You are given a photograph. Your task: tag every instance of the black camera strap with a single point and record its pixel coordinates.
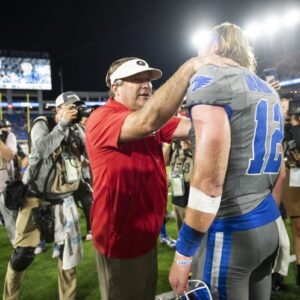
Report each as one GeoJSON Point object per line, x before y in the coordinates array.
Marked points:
{"type": "Point", "coordinates": [49, 122]}
{"type": "Point", "coordinates": [31, 183]}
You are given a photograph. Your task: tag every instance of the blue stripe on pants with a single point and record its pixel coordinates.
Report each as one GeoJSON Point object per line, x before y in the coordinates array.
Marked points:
{"type": "Point", "coordinates": [224, 265]}
{"type": "Point", "coordinates": [209, 258]}
{"type": "Point", "coordinates": [219, 242]}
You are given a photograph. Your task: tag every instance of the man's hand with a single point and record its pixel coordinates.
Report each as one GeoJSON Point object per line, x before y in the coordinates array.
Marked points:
{"type": "Point", "coordinates": [275, 84]}
{"type": "Point", "coordinates": [178, 277]}
{"type": "Point", "coordinates": [212, 59]}
{"type": "Point", "coordinates": [69, 113]}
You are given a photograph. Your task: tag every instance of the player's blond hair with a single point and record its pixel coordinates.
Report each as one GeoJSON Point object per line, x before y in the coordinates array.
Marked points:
{"type": "Point", "coordinates": [234, 44]}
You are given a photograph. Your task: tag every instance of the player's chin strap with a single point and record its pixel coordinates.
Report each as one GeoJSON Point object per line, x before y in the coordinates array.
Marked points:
{"type": "Point", "coordinates": [199, 295]}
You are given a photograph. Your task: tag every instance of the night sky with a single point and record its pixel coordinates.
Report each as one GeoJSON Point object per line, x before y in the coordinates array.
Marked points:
{"type": "Point", "coordinates": [84, 37]}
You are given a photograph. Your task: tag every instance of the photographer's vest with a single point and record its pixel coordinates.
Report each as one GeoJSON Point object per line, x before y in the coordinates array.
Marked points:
{"type": "Point", "coordinates": [65, 171]}
{"type": "Point", "coordinates": [182, 162]}
{"type": "Point", "coordinates": [181, 172]}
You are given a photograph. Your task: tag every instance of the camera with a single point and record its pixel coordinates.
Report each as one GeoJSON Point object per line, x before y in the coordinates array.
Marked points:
{"type": "Point", "coordinates": [43, 217]}
{"type": "Point", "coordinates": [4, 133]}
{"type": "Point", "coordinates": [177, 144]}
{"type": "Point", "coordinates": [82, 111]}
{"type": "Point", "coordinates": [4, 124]}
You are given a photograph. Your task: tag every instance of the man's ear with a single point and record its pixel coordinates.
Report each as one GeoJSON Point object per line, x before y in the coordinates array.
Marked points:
{"type": "Point", "coordinates": [114, 88]}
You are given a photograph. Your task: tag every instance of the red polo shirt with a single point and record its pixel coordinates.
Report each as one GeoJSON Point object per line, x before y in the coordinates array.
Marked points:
{"type": "Point", "coordinates": [129, 182]}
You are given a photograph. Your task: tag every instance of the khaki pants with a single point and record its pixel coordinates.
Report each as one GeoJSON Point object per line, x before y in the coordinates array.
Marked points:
{"type": "Point", "coordinates": [66, 282]}
{"type": "Point", "coordinates": [28, 235]}
{"type": "Point", "coordinates": [127, 279]}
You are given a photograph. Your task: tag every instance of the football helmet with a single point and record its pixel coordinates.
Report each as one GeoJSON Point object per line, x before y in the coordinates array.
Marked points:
{"type": "Point", "coordinates": [199, 291]}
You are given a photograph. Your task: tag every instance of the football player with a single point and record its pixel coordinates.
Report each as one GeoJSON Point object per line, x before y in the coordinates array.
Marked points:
{"type": "Point", "coordinates": [237, 133]}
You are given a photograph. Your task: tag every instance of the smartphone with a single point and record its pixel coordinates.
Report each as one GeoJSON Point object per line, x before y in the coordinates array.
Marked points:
{"type": "Point", "coordinates": [270, 74]}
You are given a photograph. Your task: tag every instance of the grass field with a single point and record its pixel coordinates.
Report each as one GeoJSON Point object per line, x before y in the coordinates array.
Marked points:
{"type": "Point", "coordinates": [40, 282]}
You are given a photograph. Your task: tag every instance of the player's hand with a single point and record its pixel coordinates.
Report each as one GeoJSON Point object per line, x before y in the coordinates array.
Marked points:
{"type": "Point", "coordinates": [178, 277]}
{"type": "Point", "coordinates": [69, 113]}
{"type": "Point", "coordinates": [212, 59]}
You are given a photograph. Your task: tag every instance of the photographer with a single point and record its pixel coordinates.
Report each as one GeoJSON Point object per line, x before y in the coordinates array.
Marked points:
{"type": "Point", "coordinates": [83, 196]}
{"type": "Point", "coordinates": [53, 175]}
{"type": "Point", "coordinates": [8, 149]}
{"type": "Point", "coordinates": [181, 171]}
{"type": "Point", "coordinates": [291, 193]}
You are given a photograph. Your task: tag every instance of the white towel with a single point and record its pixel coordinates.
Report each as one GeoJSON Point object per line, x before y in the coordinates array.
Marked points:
{"type": "Point", "coordinates": [67, 232]}
{"type": "Point", "coordinates": [283, 255]}
{"type": "Point", "coordinates": [10, 217]}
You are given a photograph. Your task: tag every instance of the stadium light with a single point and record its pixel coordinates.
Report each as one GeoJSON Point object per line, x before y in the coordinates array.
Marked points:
{"type": "Point", "coordinates": [253, 31]}
{"type": "Point", "coordinates": [290, 82]}
{"type": "Point", "coordinates": [19, 104]}
{"type": "Point", "coordinates": [291, 18]}
{"type": "Point", "coordinates": [87, 103]}
{"type": "Point", "coordinates": [271, 25]}
{"type": "Point", "coordinates": [201, 38]}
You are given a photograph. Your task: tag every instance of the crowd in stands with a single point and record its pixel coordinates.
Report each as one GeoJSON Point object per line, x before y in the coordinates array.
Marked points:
{"type": "Point", "coordinates": [287, 67]}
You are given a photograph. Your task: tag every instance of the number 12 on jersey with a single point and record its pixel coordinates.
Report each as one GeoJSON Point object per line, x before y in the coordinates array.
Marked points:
{"type": "Point", "coordinates": [265, 158]}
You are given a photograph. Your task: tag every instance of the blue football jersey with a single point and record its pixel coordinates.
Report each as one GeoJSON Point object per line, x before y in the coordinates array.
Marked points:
{"type": "Point", "coordinates": [256, 124]}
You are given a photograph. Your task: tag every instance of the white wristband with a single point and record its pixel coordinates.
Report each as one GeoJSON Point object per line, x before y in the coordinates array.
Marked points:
{"type": "Point", "coordinates": [201, 202]}
{"type": "Point", "coordinates": [183, 262]}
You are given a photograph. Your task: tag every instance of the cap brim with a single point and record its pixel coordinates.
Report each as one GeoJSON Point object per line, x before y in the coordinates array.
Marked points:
{"type": "Point", "coordinates": [133, 67]}
{"type": "Point", "coordinates": [69, 102]}
{"type": "Point", "coordinates": [154, 73]}
{"type": "Point", "coordinates": [75, 101]}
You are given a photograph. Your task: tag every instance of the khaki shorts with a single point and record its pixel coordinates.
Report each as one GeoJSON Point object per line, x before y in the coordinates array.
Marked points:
{"type": "Point", "coordinates": [27, 234]}
{"type": "Point", "coordinates": [291, 198]}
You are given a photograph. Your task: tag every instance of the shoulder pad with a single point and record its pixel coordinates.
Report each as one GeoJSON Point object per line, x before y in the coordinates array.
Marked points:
{"type": "Point", "coordinates": [209, 86]}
